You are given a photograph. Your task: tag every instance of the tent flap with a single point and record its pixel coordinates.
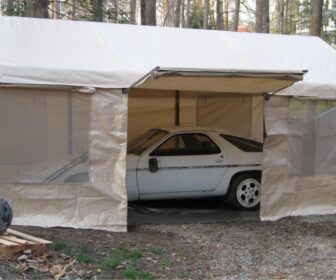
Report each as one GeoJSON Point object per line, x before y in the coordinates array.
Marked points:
{"type": "Point", "coordinates": [223, 81]}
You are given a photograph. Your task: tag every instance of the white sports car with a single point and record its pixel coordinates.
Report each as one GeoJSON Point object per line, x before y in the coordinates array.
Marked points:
{"type": "Point", "coordinates": [178, 163]}
{"type": "Point", "coordinates": [192, 163]}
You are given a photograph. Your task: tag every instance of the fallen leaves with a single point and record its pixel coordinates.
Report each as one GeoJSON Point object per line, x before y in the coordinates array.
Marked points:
{"type": "Point", "coordinates": [48, 264]}
{"type": "Point", "coordinates": [64, 269]}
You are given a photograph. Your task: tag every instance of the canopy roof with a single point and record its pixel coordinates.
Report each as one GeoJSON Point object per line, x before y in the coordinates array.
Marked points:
{"type": "Point", "coordinates": [54, 52]}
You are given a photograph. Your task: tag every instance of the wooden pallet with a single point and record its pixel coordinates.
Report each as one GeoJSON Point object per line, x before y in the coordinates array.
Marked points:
{"type": "Point", "coordinates": [13, 242]}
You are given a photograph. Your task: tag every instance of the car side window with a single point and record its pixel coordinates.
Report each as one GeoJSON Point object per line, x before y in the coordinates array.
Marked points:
{"type": "Point", "coordinates": [243, 144]}
{"type": "Point", "coordinates": [187, 144]}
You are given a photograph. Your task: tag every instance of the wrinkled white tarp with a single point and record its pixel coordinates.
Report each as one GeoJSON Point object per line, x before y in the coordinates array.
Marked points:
{"type": "Point", "coordinates": [39, 51]}
{"type": "Point", "coordinates": [98, 204]}
{"type": "Point", "coordinates": [302, 189]}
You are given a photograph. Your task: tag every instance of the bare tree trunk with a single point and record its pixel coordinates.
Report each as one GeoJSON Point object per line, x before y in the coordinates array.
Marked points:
{"type": "Point", "coordinates": [265, 17]}
{"type": "Point", "coordinates": [177, 14]}
{"type": "Point", "coordinates": [58, 10]}
{"type": "Point", "coordinates": [259, 13]}
{"type": "Point", "coordinates": [55, 9]}
{"type": "Point", "coordinates": [286, 18]}
{"type": "Point", "coordinates": [236, 16]}
{"type": "Point", "coordinates": [187, 14]}
{"type": "Point", "coordinates": [316, 23]}
{"type": "Point", "coordinates": [74, 8]}
{"type": "Point", "coordinates": [113, 17]}
{"type": "Point", "coordinates": [132, 11]}
{"type": "Point", "coordinates": [168, 10]}
{"type": "Point", "coordinates": [281, 13]}
{"type": "Point", "coordinates": [333, 6]}
{"type": "Point", "coordinates": [226, 14]}
{"type": "Point", "coordinates": [183, 8]}
{"type": "Point", "coordinates": [143, 11]}
{"type": "Point", "coordinates": [151, 12]}
{"type": "Point", "coordinates": [262, 16]}
{"type": "Point", "coordinates": [37, 8]}
{"type": "Point", "coordinates": [206, 14]}
{"type": "Point", "coordinates": [97, 10]}
{"type": "Point", "coordinates": [219, 16]}
{"type": "Point", "coordinates": [7, 8]}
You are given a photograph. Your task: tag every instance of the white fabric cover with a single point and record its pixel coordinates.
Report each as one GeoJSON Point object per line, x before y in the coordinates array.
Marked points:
{"type": "Point", "coordinates": [304, 193]}
{"type": "Point", "coordinates": [100, 204]}
{"type": "Point", "coordinates": [51, 52]}
{"type": "Point", "coordinates": [39, 51]}
{"type": "Point", "coordinates": [44, 135]}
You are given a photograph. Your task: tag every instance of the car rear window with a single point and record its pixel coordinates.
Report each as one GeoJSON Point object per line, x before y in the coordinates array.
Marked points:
{"type": "Point", "coordinates": [243, 144]}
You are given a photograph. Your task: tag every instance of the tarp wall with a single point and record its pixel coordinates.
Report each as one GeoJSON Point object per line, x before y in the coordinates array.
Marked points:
{"type": "Point", "coordinates": [35, 132]}
{"type": "Point", "coordinates": [299, 162]}
{"type": "Point", "coordinates": [42, 131]}
{"type": "Point", "coordinates": [239, 114]}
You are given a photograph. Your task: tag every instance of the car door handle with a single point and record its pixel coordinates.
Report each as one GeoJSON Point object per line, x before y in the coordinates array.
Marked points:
{"type": "Point", "coordinates": [221, 159]}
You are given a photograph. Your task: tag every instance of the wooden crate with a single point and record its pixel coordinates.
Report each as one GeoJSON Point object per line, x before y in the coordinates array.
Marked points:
{"type": "Point", "coordinates": [13, 242]}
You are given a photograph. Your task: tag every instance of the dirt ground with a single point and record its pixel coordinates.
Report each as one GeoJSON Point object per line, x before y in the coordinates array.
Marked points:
{"type": "Point", "coordinates": [292, 248]}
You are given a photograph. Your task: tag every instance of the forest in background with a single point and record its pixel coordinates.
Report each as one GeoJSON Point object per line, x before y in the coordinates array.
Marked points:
{"type": "Point", "coordinates": [304, 17]}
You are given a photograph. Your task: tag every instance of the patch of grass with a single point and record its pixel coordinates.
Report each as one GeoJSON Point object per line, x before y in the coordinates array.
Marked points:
{"type": "Point", "coordinates": [69, 268]}
{"type": "Point", "coordinates": [130, 274]}
{"type": "Point", "coordinates": [155, 250]}
{"type": "Point", "coordinates": [124, 245]}
{"type": "Point", "coordinates": [182, 274]}
{"type": "Point", "coordinates": [133, 254]}
{"type": "Point", "coordinates": [116, 253]}
{"type": "Point", "coordinates": [111, 263]}
{"type": "Point", "coordinates": [164, 263]}
{"type": "Point", "coordinates": [15, 270]}
{"type": "Point", "coordinates": [59, 246]}
{"type": "Point", "coordinates": [145, 275]}
{"type": "Point", "coordinates": [133, 274]}
{"type": "Point", "coordinates": [36, 275]}
{"type": "Point", "coordinates": [83, 255]}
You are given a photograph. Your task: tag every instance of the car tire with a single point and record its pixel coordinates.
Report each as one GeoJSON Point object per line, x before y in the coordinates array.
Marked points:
{"type": "Point", "coordinates": [6, 215]}
{"type": "Point", "coordinates": [244, 191]}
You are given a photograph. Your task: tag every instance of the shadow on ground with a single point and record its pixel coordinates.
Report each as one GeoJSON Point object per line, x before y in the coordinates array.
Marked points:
{"type": "Point", "coordinates": [172, 212]}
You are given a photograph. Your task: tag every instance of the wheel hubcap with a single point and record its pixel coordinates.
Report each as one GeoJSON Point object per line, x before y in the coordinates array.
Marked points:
{"type": "Point", "coordinates": [248, 193]}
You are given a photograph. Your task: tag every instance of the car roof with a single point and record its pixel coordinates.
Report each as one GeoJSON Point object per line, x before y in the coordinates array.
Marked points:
{"type": "Point", "coordinates": [178, 129]}
{"type": "Point", "coordinates": [188, 129]}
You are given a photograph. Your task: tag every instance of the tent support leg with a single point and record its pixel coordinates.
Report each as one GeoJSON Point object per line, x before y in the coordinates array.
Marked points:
{"type": "Point", "coordinates": [70, 123]}
{"type": "Point", "coordinates": [177, 108]}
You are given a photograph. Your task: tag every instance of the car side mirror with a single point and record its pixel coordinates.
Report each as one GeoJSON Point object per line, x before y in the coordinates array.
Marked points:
{"type": "Point", "coordinates": [153, 165]}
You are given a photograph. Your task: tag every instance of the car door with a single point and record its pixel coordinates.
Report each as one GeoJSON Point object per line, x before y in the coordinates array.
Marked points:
{"type": "Point", "coordinates": [187, 163]}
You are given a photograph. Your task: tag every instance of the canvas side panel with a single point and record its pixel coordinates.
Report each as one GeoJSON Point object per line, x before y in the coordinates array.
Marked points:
{"type": "Point", "coordinates": [299, 158]}
{"type": "Point", "coordinates": [46, 137]}
{"type": "Point", "coordinates": [228, 112]}
{"type": "Point", "coordinates": [108, 146]}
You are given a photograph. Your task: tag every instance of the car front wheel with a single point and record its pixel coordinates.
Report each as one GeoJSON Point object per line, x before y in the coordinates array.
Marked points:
{"type": "Point", "coordinates": [244, 191]}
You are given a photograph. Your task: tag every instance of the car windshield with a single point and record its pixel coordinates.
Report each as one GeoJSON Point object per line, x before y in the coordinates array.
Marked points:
{"type": "Point", "coordinates": [144, 141]}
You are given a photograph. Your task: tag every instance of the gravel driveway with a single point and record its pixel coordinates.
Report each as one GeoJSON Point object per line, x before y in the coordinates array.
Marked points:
{"type": "Point", "coordinates": [292, 248]}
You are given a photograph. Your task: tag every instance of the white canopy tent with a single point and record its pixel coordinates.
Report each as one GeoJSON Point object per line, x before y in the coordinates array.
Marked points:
{"type": "Point", "coordinates": [63, 80]}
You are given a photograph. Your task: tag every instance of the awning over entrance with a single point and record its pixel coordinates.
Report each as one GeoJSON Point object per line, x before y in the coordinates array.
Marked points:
{"type": "Point", "coordinates": [219, 80]}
